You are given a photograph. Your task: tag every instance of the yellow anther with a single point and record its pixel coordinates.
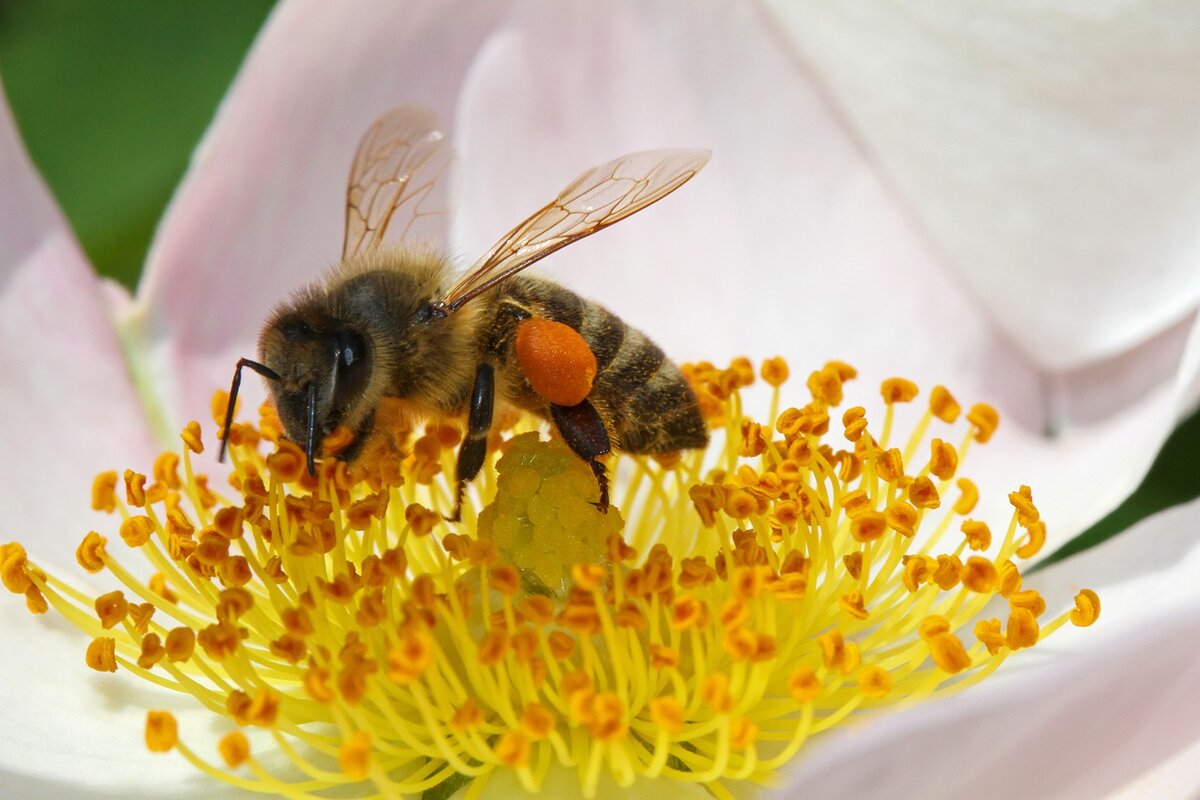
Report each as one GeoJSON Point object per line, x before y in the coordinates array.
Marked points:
{"type": "Point", "coordinates": [166, 470]}
{"type": "Point", "coordinates": [852, 604]}
{"type": "Point", "coordinates": [135, 488]}
{"type": "Point", "coordinates": [91, 553]}
{"type": "Point", "coordinates": [102, 654]}
{"type": "Point", "coordinates": [943, 405]}
{"type": "Point", "coordinates": [984, 419]}
{"type": "Point", "coordinates": [740, 504]}
{"type": "Point", "coordinates": [874, 682]}
{"type": "Point", "coordinates": [918, 570]}
{"type": "Point", "coordinates": [1010, 579]}
{"type": "Point", "coordinates": [104, 492]}
{"type": "Point", "coordinates": [853, 563]}
{"type": "Point", "coordinates": [898, 390]}
{"type": "Point", "coordinates": [1036, 541]}
{"type": "Point", "coordinates": [537, 721]}
{"type": "Point", "coordinates": [714, 692]}
{"type": "Point", "coordinates": [588, 577]}
{"type": "Point", "coordinates": [1023, 629]}
{"type": "Point", "coordinates": [948, 653]}
{"type": "Point", "coordinates": [135, 531]}
{"type": "Point", "coordinates": [1087, 608]}
{"type": "Point", "coordinates": [162, 731]}
{"type": "Point", "coordinates": [1029, 599]}
{"type": "Point", "coordinates": [219, 641]}
{"type": "Point", "coordinates": [932, 626]}
{"type": "Point", "coordinates": [13, 564]}
{"type": "Point", "coordinates": [989, 633]}
{"type": "Point", "coordinates": [467, 716]}
{"type": "Point", "coordinates": [234, 749]}
{"type": "Point", "coordinates": [943, 460]}
{"type": "Point", "coordinates": [742, 734]}
{"type": "Point", "coordinates": [152, 651]}
{"type": "Point", "coordinates": [980, 575]}
{"type": "Point", "coordinates": [354, 756]}
{"type": "Point", "coordinates": [979, 535]}
{"type": "Point", "coordinates": [505, 579]}
{"type": "Point", "coordinates": [969, 496]}
{"type": "Point", "coordinates": [512, 749]}
{"type": "Point", "coordinates": [902, 518]}
{"type": "Point", "coordinates": [890, 465]}
{"type": "Point", "coordinates": [868, 527]}
{"type": "Point", "coordinates": [667, 713]}
{"type": "Point", "coordinates": [792, 421]}
{"type": "Point", "coordinates": [856, 503]}
{"type": "Point", "coordinates": [111, 609]}
{"type": "Point", "coordinates": [191, 437]}
{"type": "Point", "coordinates": [422, 520]}
{"type": "Point", "coordinates": [493, 647]}
{"type": "Point", "coordinates": [774, 371]}
{"type": "Point", "coordinates": [180, 644]}
{"type": "Point", "coordinates": [826, 386]}
{"type": "Point", "coordinates": [923, 494]}
{"type": "Point", "coordinates": [948, 572]}
{"type": "Point", "coordinates": [562, 645]}
{"type": "Point", "coordinates": [804, 684]}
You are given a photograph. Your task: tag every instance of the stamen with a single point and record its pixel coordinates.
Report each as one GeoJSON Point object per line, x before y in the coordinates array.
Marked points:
{"type": "Point", "coordinates": [731, 605]}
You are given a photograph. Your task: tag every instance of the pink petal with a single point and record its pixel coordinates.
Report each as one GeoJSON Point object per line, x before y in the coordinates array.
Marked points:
{"type": "Point", "coordinates": [68, 409]}
{"type": "Point", "coordinates": [1084, 713]}
{"type": "Point", "coordinates": [1054, 158]}
{"type": "Point", "coordinates": [260, 212]}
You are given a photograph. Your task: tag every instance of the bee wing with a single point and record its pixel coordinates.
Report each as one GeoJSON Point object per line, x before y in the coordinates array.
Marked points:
{"type": "Point", "coordinates": [397, 181]}
{"type": "Point", "coordinates": [596, 199]}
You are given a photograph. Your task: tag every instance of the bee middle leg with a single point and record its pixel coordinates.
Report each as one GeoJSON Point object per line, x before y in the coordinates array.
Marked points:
{"type": "Point", "coordinates": [479, 426]}
{"type": "Point", "coordinates": [583, 430]}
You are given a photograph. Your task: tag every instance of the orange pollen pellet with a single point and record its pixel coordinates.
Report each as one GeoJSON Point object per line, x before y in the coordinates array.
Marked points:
{"type": "Point", "coordinates": [948, 653]}
{"type": "Point", "coordinates": [162, 731]}
{"type": "Point", "coordinates": [354, 756]}
{"type": "Point", "coordinates": [1087, 608]}
{"type": "Point", "coordinates": [191, 437]}
{"type": "Point", "coordinates": [104, 492]}
{"type": "Point", "coordinates": [943, 405]}
{"type": "Point", "coordinates": [898, 390]}
{"type": "Point", "coordinates": [984, 419]}
{"type": "Point", "coordinates": [556, 360]}
{"type": "Point", "coordinates": [91, 552]}
{"type": "Point", "coordinates": [234, 749]}
{"type": "Point", "coordinates": [101, 654]}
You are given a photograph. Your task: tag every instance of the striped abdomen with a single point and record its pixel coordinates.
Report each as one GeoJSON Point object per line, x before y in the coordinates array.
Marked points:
{"type": "Point", "coordinates": [641, 395]}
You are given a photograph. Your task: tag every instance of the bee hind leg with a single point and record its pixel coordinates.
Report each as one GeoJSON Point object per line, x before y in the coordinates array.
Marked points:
{"type": "Point", "coordinates": [479, 425]}
{"type": "Point", "coordinates": [583, 430]}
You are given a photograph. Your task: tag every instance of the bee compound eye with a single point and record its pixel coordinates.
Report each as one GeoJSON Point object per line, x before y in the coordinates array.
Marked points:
{"type": "Point", "coordinates": [351, 349]}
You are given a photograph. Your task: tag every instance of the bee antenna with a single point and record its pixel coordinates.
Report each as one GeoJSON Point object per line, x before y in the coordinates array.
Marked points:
{"type": "Point", "coordinates": [312, 427]}
{"type": "Point", "coordinates": [261, 369]}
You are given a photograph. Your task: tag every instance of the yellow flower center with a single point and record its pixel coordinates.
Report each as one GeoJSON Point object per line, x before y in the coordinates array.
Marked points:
{"type": "Point", "coordinates": [731, 605]}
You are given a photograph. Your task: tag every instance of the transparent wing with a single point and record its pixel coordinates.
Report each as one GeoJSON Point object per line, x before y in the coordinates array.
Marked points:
{"type": "Point", "coordinates": [397, 182]}
{"type": "Point", "coordinates": [596, 199]}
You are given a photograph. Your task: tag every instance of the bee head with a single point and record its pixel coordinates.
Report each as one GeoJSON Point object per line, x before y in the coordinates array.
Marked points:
{"type": "Point", "coordinates": [321, 368]}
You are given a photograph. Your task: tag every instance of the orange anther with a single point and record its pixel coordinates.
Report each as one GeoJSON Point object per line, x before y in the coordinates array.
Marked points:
{"type": "Point", "coordinates": [943, 405]}
{"type": "Point", "coordinates": [1087, 608]}
{"type": "Point", "coordinates": [162, 731]}
{"type": "Point", "coordinates": [898, 390]}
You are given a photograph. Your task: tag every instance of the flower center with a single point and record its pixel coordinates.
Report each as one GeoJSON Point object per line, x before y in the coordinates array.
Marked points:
{"type": "Point", "coordinates": [731, 604]}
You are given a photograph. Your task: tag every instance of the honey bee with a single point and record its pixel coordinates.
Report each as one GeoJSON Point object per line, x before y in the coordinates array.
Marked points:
{"type": "Point", "coordinates": [391, 321]}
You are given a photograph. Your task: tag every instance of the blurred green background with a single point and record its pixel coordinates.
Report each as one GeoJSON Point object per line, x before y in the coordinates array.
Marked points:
{"type": "Point", "coordinates": [111, 97]}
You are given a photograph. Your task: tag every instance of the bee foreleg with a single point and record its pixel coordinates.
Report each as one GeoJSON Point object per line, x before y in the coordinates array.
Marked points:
{"type": "Point", "coordinates": [583, 430]}
{"type": "Point", "coordinates": [479, 425]}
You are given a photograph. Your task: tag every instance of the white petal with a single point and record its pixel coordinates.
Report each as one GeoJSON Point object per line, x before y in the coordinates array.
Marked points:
{"type": "Point", "coordinates": [73, 732]}
{"type": "Point", "coordinates": [260, 212]}
{"type": "Point", "coordinates": [68, 409]}
{"type": "Point", "coordinates": [787, 242]}
{"type": "Point", "coordinates": [1082, 714]}
{"type": "Point", "coordinates": [1052, 155]}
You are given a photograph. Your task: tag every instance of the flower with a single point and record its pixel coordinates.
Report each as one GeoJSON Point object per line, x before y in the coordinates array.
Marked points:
{"type": "Point", "coordinates": [757, 596]}
{"type": "Point", "coordinates": [819, 239]}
